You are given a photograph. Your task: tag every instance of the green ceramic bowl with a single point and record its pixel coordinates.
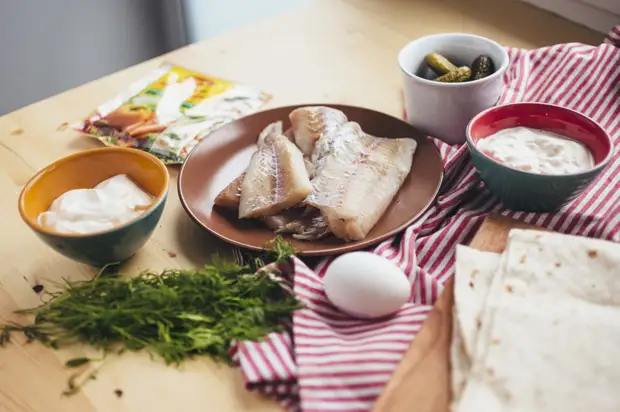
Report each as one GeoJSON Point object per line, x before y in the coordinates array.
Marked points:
{"type": "Point", "coordinates": [85, 170]}
{"type": "Point", "coordinates": [533, 192]}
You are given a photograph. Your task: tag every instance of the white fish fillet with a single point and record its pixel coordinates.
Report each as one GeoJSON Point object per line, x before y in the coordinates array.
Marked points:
{"type": "Point", "coordinates": [357, 177]}
{"type": "Point", "coordinates": [276, 178]}
{"type": "Point", "coordinates": [309, 123]}
{"type": "Point", "coordinates": [230, 195]}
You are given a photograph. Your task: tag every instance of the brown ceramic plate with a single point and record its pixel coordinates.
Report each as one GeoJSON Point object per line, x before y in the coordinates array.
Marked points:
{"type": "Point", "coordinates": [225, 154]}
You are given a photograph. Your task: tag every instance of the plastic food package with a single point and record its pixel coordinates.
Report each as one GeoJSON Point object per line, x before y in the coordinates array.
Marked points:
{"type": "Point", "coordinates": [168, 111]}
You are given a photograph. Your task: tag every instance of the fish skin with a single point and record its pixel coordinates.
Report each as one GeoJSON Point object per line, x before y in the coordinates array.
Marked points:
{"type": "Point", "coordinates": [357, 177]}
{"type": "Point", "coordinates": [311, 122]}
{"type": "Point", "coordinates": [230, 195]}
{"type": "Point", "coordinates": [275, 180]}
{"type": "Point", "coordinates": [304, 223]}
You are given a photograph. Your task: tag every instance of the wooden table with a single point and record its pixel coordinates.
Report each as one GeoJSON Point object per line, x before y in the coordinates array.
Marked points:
{"type": "Point", "coordinates": [339, 51]}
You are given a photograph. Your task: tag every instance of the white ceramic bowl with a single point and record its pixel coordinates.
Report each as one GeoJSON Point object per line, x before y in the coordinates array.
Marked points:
{"type": "Point", "coordinates": [443, 110]}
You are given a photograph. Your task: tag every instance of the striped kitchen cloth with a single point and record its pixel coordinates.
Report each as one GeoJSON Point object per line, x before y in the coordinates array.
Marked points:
{"type": "Point", "coordinates": [331, 362]}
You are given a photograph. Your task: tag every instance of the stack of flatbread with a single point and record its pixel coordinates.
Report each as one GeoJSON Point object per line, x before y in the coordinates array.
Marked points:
{"type": "Point", "coordinates": [537, 328]}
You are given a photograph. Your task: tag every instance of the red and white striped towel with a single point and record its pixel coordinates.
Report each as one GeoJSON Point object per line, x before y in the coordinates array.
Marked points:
{"type": "Point", "coordinates": [330, 362]}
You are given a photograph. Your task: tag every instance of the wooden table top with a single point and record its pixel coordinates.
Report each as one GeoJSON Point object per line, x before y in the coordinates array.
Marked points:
{"type": "Point", "coordinates": [333, 51]}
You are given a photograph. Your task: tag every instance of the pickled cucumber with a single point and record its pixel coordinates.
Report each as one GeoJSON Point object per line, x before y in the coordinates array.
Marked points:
{"type": "Point", "coordinates": [460, 74]}
{"type": "Point", "coordinates": [482, 67]}
{"type": "Point", "coordinates": [439, 64]}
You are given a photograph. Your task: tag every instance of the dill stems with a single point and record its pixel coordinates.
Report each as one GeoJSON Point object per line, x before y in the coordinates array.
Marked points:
{"type": "Point", "coordinates": [175, 314]}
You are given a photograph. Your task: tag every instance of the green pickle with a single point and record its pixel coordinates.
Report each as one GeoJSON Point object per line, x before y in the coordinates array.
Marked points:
{"type": "Point", "coordinates": [439, 64]}
{"type": "Point", "coordinates": [460, 74]}
{"type": "Point", "coordinates": [482, 67]}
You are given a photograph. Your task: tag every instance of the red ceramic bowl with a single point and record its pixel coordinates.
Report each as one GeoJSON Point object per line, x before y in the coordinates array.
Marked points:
{"type": "Point", "coordinates": [527, 191]}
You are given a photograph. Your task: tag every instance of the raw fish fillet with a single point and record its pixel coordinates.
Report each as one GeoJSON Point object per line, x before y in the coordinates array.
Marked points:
{"type": "Point", "coordinates": [276, 178]}
{"type": "Point", "coordinates": [309, 123]}
{"type": "Point", "coordinates": [229, 196]}
{"type": "Point", "coordinates": [357, 178]}
{"type": "Point", "coordinates": [304, 223]}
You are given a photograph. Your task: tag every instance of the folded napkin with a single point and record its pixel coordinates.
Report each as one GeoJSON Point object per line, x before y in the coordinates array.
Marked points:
{"type": "Point", "coordinates": [329, 361]}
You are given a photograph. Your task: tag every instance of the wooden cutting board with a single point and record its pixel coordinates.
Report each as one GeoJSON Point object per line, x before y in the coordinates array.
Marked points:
{"type": "Point", "coordinates": [421, 382]}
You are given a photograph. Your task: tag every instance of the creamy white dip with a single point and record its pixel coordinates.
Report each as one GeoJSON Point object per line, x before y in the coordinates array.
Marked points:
{"type": "Point", "coordinates": [111, 203]}
{"type": "Point", "coordinates": [537, 151]}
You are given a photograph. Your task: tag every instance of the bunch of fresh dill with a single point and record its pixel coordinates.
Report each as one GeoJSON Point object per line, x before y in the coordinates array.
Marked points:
{"type": "Point", "coordinates": [175, 314]}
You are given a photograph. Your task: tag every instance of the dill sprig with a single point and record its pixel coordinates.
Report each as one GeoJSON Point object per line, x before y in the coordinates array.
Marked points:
{"type": "Point", "coordinates": [175, 314]}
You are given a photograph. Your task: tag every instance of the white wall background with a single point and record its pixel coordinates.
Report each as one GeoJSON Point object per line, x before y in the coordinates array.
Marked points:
{"type": "Point", "coordinates": [48, 46]}
{"type": "Point", "coordinates": [207, 18]}
{"type": "Point", "coordinates": [598, 15]}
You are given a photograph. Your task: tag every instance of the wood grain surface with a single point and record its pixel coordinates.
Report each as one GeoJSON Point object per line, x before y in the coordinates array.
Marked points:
{"type": "Point", "coordinates": [421, 382]}
{"type": "Point", "coordinates": [332, 51]}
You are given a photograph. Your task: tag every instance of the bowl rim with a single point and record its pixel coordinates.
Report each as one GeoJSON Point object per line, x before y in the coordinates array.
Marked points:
{"type": "Point", "coordinates": [34, 225]}
{"type": "Point", "coordinates": [597, 166]}
{"type": "Point", "coordinates": [499, 72]}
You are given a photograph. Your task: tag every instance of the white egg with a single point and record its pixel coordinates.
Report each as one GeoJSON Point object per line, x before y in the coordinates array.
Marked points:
{"type": "Point", "coordinates": [366, 285]}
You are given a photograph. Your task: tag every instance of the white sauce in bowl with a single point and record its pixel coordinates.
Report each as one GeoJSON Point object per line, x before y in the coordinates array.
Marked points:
{"type": "Point", "coordinates": [111, 203]}
{"type": "Point", "coordinates": [537, 151]}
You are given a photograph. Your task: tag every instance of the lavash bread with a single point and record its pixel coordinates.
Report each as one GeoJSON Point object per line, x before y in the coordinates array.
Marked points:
{"type": "Point", "coordinates": [550, 333]}
{"type": "Point", "coordinates": [474, 272]}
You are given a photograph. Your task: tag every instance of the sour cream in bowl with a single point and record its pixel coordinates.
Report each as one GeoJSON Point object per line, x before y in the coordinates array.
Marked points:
{"type": "Point", "coordinates": [537, 157]}
{"type": "Point", "coordinates": [113, 202]}
{"type": "Point", "coordinates": [537, 151]}
{"type": "Point", "coordinates": [97, 206]}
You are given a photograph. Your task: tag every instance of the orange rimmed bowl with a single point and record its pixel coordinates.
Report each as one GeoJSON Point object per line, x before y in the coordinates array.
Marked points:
{"type": "Point", "coordinates": [84, 170]}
